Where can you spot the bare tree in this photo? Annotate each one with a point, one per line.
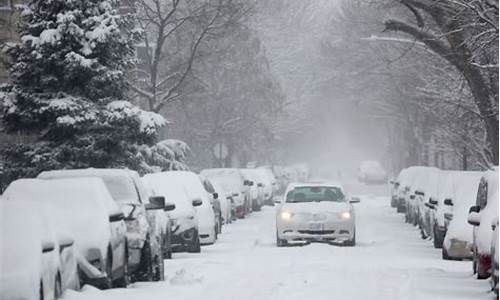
(464, 33)
(173, 34)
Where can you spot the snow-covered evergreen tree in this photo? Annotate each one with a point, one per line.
(68, 73)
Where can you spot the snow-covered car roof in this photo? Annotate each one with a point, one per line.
(120, 182)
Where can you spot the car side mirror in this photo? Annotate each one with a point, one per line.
(48, 246)
(433, 201)
(235, 194)
(392, 182)
(355, 200)
(169, 206)
(419, 193)
(260, 184)
(475, 208)
(116, 217)
(215, 195)
(429, 205)
(197, 202)
(64, 241)
(474, 219)
(251, 183)
(156, 202)
(448, 202)
(412, 197)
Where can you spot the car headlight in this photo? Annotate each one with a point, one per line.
(345, 215)
(286, 215)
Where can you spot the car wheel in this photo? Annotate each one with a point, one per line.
(167, 247)
(194, 246)
(124, 281)
(145, 272)
(40, 291)
(108, 281)
(280, 242)
(438, 240)
(159, 268)
(445, 255)
(351, 242)
(57, 287)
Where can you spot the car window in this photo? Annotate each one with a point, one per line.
(482, 194)
(122, 189)
(315, 194)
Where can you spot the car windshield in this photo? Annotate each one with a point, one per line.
(122, 189)
(315, 194)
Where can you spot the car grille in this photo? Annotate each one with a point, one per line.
(312, 217)
(318, 232)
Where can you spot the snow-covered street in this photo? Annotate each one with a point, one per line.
(390, 261)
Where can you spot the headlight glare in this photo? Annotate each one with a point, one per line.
(286, 215)
(345, 215)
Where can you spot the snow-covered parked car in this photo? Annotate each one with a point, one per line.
(372, 172)
(36, 261)
(426, 192)
(145, 240)
(457, 242)
(416, 182)
(225, 199)
(232, 180)
(255, 180)
(87, 211)
(316, 212)
(207, 224)
(214, 200)
(185, 235)
(270, 185)
(482, 216)
(442, 213)
(405, 179)
(394, 190)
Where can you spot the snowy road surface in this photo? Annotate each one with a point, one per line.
(390, 261)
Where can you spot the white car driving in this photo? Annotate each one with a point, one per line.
(316, 212)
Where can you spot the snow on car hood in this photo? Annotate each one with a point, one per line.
(316, 207)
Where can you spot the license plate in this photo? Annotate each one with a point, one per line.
(316, 226)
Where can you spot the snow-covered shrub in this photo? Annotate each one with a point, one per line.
(166, 155)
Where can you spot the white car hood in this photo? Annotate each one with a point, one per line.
(317, 207)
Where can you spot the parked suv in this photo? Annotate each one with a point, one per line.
(145, 240)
